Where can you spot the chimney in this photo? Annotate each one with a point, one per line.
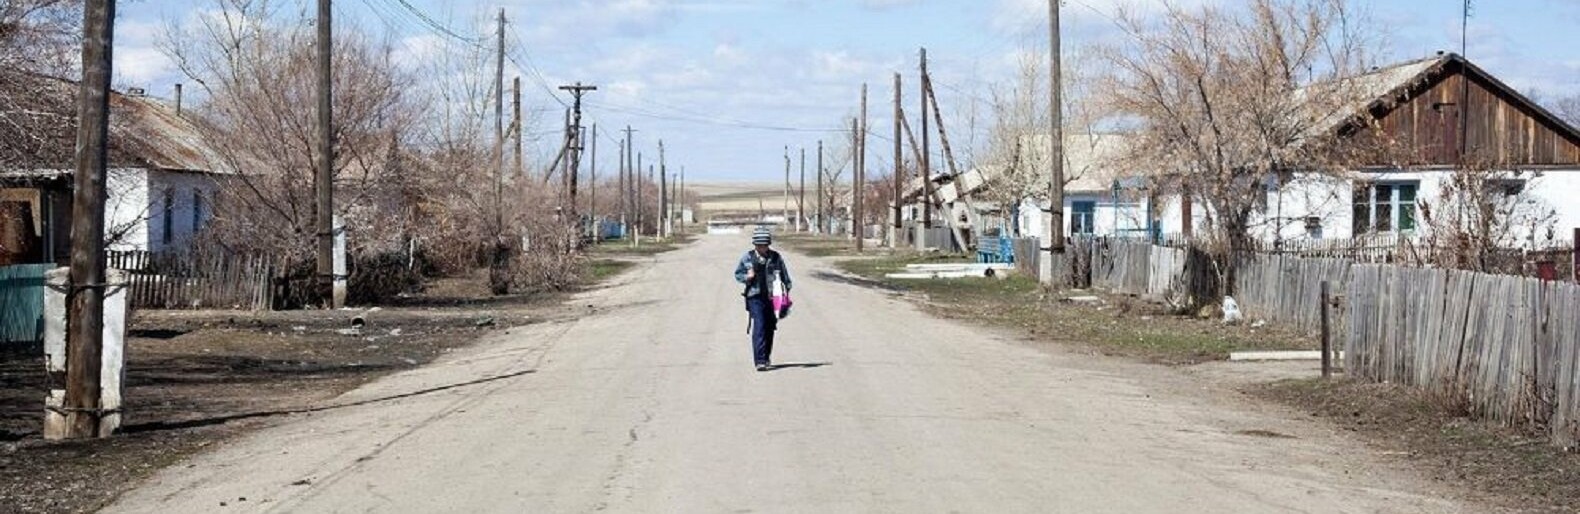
(178, 99)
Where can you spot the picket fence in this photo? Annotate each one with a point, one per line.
(1287, 290)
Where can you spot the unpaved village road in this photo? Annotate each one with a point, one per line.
(649, 403)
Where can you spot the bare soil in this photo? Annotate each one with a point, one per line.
(1516, 470)
(198, 378)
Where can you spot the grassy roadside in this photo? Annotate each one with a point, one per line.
(647, 248)
(1116, 325)
(1517, 470)
(815, 245)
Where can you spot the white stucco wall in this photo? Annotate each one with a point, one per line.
(1124, 217)
(135, 207)
(1330, 200)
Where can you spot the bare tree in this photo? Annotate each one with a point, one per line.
(1484, 217)
(1220, 98)
(253, 65)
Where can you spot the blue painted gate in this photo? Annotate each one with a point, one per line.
(22, 303)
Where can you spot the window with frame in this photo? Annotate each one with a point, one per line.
(1083, 216)
(169, 216)
(1385, 207)
(197, 210)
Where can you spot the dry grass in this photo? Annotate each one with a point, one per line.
(1117, 325)
(1516, 470)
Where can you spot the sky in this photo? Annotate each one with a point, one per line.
(728, 84)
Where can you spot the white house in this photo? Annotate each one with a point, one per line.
(1417, 104)
(162, 177)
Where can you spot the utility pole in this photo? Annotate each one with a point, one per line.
(323, 178)
(683, 198)
(663, 192)
(822, 220)
(498, 277)
(628, 178)
(592, 189)
(787, 184)
(800, 203)
(577, 146)
(899, 168)
(858, 195)
(1055, 229)
(855, 173)
(516, 125)
(926, 170)
(638, 183)
(85, 322)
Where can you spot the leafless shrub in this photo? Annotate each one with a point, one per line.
(1483, 217)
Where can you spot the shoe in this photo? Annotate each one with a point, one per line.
(762, 367)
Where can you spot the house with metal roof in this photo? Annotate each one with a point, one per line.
(162, 180)
(1437, 115)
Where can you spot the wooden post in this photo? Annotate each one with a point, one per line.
(85, 298)
(1575, 256)
(1327, 343)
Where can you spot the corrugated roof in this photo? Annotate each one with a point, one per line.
(1360, 92)
(38, 130)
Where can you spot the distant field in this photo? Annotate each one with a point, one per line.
(736, 197)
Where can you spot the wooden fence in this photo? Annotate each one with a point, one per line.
(1507, 346)
(176, 281)
(1287, 290)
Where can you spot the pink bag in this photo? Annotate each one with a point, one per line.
(781, 298)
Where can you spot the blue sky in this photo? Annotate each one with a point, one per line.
(729, 83)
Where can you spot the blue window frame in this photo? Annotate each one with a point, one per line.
(1082, 217)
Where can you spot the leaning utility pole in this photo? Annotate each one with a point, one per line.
(577, 145)
(323, 177)
(85, 322)
(1055, 227)
(858, 195)
(899, 168)
(926, 167)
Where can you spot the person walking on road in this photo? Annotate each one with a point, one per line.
(758, 270)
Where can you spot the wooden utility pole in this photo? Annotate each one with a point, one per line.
(800, 204)
(628, 178)
(577, 145)
(516, 125)
(637, 184)
(899, 168)
(85, 322)
(683, 199)
(663, 192)
(858, 196)
(787, 185)
(822, 220)
(1055, 230)
(323, 176)
(499, 131)
(855, 174)
(592, 188)
(926, 167)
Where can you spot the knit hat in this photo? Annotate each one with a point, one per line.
(762, 236)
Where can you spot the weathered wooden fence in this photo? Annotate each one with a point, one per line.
(1027, 256)
(178, 281)
(1508, 346)
(1287, 290)
(1122, 266)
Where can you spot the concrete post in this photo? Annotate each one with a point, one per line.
(112, 370)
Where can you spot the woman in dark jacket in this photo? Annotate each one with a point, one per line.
(756, 270)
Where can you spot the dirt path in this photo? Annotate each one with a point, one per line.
(649, 404)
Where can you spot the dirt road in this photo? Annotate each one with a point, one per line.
(649, 403)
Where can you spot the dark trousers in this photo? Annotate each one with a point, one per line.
(764, 323)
